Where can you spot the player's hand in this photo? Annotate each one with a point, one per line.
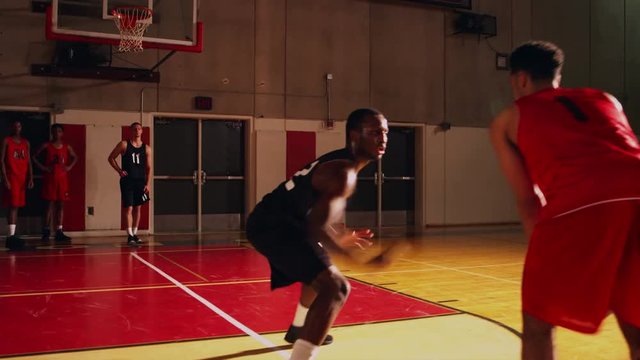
(30, 185)
(356, 238)
(123, 173)
(146, 189)
(364, 233)
(7, 184)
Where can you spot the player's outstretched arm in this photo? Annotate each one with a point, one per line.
(120, 148)
(512, 164)
(36, 158)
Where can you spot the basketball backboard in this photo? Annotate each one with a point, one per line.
(174, 24)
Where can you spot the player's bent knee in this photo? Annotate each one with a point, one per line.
(332, 285)
(344, 289)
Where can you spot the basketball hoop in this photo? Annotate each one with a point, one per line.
(132, 21)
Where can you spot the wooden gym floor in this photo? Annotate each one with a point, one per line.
(454, 296)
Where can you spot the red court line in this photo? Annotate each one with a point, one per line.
(95, 320)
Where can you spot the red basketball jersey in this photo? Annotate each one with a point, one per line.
(578, 148)
(17, 157)
(57, 159)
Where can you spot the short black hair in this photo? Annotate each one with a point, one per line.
(57, 126)
(357, 117)
(542, 60)
(134, 124)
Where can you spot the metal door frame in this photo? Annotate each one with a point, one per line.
(418, 179)
(199, 177)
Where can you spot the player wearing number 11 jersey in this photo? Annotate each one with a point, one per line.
(583, 221)
(292, 225)
(136, 161)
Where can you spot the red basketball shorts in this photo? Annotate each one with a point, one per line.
(55, 188)
(14, 197)
(583, 265)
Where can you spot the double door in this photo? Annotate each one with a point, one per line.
(199, 181)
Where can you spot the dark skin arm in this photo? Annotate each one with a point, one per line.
(30, 168)
(73, 157)
(334, 181)
(36, 156)
(4, 168)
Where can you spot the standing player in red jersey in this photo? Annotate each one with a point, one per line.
(59, 160)
(574, 165)
(18, 175)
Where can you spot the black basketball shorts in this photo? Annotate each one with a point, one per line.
(132, 192)
(286, 245)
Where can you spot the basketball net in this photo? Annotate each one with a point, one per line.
(132, 21)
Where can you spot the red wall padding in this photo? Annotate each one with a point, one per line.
(144, 211)
(74, 209)
(301, 150)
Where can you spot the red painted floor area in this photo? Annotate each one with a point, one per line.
(236, 264)
(83, 271)
(74, 320)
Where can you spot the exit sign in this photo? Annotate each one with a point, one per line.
(203, 102)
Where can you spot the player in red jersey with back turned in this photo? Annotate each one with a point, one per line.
(574, 165)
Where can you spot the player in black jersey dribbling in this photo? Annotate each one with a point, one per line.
(134, 178)
(292, 225)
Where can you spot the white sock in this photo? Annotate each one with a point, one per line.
(135, 231)
(304, 350)
(129, 232)
(300, 316)
(12, 229)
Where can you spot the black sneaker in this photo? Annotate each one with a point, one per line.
(46, 233)
(14, 243)
(137, 239)
(61, 238)
(294, 333)
(131, 241)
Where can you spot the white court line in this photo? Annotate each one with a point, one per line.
(462, 271)
(261, 339)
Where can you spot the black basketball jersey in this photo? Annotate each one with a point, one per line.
(296, 196)
(134, 161)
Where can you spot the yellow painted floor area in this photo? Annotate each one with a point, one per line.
(476, 271)
(446, 337)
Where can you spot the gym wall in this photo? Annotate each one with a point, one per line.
(268, 59)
